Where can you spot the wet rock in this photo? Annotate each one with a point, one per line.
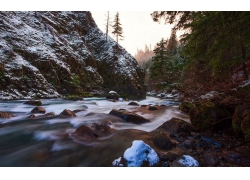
(169, 156)
(32, 116)
(129, 116)
(6, 115)
(186, 106)
(144, 105)
(79, 110)
(38, 110)
(245, 127)
(161, 140)
(67, 112)
(133, 103)
(190, 144)
(176, 125)
(85, 131)
(209, 159)
(152, 108)
(102, 129)
(112, 95)
(33, 103)
(109, 123)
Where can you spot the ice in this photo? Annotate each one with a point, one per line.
(188, 161)
(138, 153)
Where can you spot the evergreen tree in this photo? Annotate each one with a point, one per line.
(117, 29)
(172, 42)
(159, 61)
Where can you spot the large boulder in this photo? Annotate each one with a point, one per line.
(6, 115)
(38, 110)
(186, 106)
(176, 125)
(241, 112)
(129, 116)
(207, 115)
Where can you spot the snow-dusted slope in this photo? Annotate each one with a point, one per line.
(44, 54)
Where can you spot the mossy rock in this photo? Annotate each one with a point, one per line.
(245, 127)
(186, 106)
(238, 118)
(207, 116)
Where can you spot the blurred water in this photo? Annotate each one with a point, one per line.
(49, 141)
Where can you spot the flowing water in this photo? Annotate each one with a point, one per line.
(50, 141)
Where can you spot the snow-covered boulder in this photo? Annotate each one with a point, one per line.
(185, 161)
(140, 153)
(113, 95)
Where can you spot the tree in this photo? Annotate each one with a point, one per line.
(117, 28)
(107, 25)
(159, 61)
(172, 42)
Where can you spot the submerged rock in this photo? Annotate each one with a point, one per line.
(85, 131)
(140, 154)
(67, 112)
(6, 115)
(153, 108)
(38, 110)
(33, 103)
(129, 116)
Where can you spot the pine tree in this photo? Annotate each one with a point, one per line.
(117, 28)
(172, 42)
(159, 61)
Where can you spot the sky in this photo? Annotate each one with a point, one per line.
(138, 28)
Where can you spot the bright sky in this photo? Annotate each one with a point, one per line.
(138, 28)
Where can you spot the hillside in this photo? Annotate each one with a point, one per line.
(53, 54)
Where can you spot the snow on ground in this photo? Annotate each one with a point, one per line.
(138, 153)
(188, 161)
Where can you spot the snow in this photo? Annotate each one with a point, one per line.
(112, 92)
(188, 161)
(138, 153)
(245, 83)
(116, 162)
(209, 95)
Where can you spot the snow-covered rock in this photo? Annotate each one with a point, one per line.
(209, 95)
(48, 54)
(138, 153)
(188, 161)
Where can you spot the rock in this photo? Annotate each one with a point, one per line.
(140, 154)
(133, 103)
(6, 115)
(185, 161)
(210, 159)
(102, 129)
(186, 106)
(238, 118)
(190, 144)
(162, 141)
(38, 110)
(168, 156)
(67, 112)
(245, 127)
(144, 105)
(129, 116)
(176, 125)
(32, 116)
(206, 116)
(79, 110)
(152, 108)
(113, 95)
(33, 103)
(85, 131)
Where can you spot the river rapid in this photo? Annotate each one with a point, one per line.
(49, 141)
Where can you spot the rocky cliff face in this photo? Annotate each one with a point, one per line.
(49, 54)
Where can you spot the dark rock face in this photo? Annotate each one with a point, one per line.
(49, 54)
(129, 116)
(67, 112)
(38, 110)
(133, 103)
(33, 103)
(162, 141)
(176, 125)
(6, 115)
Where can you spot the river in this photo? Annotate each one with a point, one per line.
(49, 141)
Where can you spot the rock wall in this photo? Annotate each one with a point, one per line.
(49, 54)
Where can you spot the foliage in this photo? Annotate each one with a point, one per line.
(117, 27)
(75, 80)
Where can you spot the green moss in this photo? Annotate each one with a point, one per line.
(186, 106)
(245, 127)
(75, 80)
(238, 118)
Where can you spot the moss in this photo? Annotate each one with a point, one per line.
(75, 80)
(245, 127)
(186, 106)
(203, 115)
(238, 118)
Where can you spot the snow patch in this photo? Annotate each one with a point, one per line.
(188, 161)
(138, 153)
